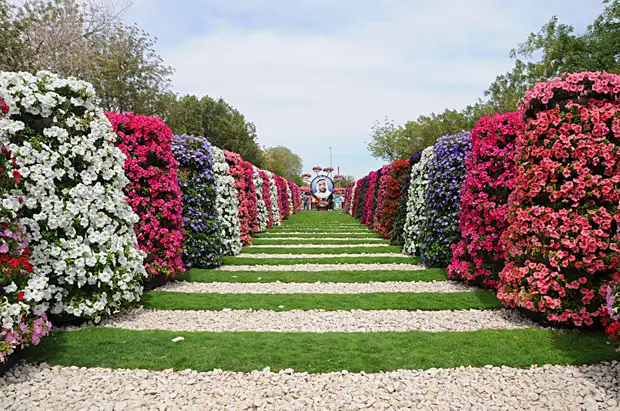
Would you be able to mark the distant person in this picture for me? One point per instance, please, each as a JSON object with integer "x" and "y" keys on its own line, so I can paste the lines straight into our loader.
{"x": 337, "y": 202}
{"x": 305, "y": 200}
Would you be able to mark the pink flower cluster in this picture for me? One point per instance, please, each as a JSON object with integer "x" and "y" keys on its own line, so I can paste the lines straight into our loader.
{"x": 562, "y": 239}
{"x": 153, "y": 191}
{"x": 237, "y": 171}
{"x": 281, "y": 183}
{"x": 393, "y": 178}
{"x": 479, "y": 256}
{"x": 367, "y": 212}
{"x": 296, "y": 196}
{"x": 250, "y": 195}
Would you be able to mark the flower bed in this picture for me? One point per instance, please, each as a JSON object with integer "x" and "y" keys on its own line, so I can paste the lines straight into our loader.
{"x": 261, "y": 206}
{"x": 82, "y": 239}
{"x": 562, "y": 239}
{"x": 266, "y": 196}
{"x": 153, "y": 191}
{"x": 227, "y": 204}
{"x": 479, "y": 256}
{"x": 389, "y": 195}
{"x": 446, "y": 174}
{"x": 202, "y": 246}
{"x": 398, "y": 232}
{"x": 416, "y": 204}
{"x": 22, "y": 317}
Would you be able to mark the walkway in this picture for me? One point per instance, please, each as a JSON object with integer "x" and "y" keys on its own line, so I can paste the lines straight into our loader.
{"x": 339, "y": 315}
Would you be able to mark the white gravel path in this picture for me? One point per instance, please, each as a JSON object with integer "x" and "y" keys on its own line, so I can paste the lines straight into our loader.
{"x": 320, "y": 256}
{"x": 554, "y": 388}
{"x": 318, "y": 320}
{"x": 323, "y": 238}
{"x": 323, "y": 267}
{"x": 302, "y": 246}
{"x": 319, "y": 288}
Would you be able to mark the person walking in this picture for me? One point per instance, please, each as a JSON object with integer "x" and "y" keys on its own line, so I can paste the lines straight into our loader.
{"x": 305, "y": 200}
{"x": 337, "y": 202}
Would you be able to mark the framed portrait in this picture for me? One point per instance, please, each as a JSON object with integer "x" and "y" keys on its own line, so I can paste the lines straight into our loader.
{"x": 322, "y": 187}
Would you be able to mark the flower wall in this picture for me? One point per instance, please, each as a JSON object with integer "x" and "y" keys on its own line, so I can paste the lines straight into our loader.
{"x": 266, "y": 197}
{"x": 261, "y": 207}
{"x": 84, "y": 258}
{"x": 227, "y": 204}
{"x": 390, "y": 189}
{"x": 22, "y": 320}
{"x": 562, "y": 239}
{"x": 416, "y": 203}
{"x": 479, "y": 256}
{"x": 283, "y": 197}
{"x": 153, "y": 191}
{"x": 446, "y": 173}
{"x": 275, "y": 199}
{"x": 369, "y": 197}
{"x": 237, "y": 171}
{"x": 398, "y": 232}
{"x": 203, "y": 245}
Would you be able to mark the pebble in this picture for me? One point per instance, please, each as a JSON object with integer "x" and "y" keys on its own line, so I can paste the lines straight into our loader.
{"x": 319, "y": 288}
{"x": 557, "y": 387}
{"x": 324, "y": 267}
{"x": 317, "y": 256}
{"x": 318, "y": 320}
{"x": 362, "y": 245}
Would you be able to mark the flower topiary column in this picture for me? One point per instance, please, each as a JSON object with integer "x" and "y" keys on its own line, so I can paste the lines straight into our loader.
{"x": 416, "y": 204}
{"x": 203, "y": 245}
{"x": 153, "y": 191}
{"x": 398, "y": 232}
{"x": 227, "y": 204}
{"x": 562, "y": 239}
{"x": 446, "y": 173}
{"x": 479, "y": 256}
{"x": 84, "y": 252}
{"x": 392, "y": 184}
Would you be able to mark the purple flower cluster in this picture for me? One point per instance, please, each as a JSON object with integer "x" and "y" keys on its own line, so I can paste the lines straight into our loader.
{"x": 203, "y": 245}
{"x": 446, "y": 174}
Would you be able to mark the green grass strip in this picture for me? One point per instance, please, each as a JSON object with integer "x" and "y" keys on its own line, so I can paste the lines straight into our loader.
{"x": 263, "y": 241}
{"x": 348, "y": 250}
{"x": 311, "y": 235}
{"x": 165, "y": 300}
{"x": 322, "y": 260}
{"x": 318, "y": 352}
{"x": 213, "y": 276}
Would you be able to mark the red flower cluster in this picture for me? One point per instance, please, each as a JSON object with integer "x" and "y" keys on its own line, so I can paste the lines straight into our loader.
{"x": 153, "y": 191}
{"x": 562, "y": 241}
{"x": 282, "y": 197}
{"x": 479, "y": 256}
{"x": 296, "y": 194}
{"x": 4, "y": 108}
{"x": 372, "y": 181}
{"x": 250, "y": 195}
{"x": 267, "y": 197}
{"x": 393, "y": 178}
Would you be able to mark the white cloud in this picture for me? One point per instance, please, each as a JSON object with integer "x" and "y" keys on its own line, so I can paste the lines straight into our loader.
{"x": 312, "y": 88}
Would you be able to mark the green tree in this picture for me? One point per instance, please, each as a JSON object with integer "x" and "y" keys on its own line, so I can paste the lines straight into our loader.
{"x": 282, "y": 161}
{"x": 184, "y": 115}
{"x": 15, "y": 53}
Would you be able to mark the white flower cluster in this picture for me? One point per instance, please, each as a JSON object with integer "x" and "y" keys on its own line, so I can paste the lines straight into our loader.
{"x": 227, "y": 204}
{"x": 275, "y": 207}
{"x": 290, "y": 199}
{"x": 263, "y": 213}
{"x": 416, "y": 203}
{"x": 83, "y": 243}
{"x": 352, "y": 199}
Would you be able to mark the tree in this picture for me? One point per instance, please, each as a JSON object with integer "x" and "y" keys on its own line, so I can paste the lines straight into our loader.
{"x": 348, "y": 179}
{"x": 184, "y": 115}
{"x": 225, "y": 127}
{"x": 282, "y": 161}
{"x": 15, "y": 54}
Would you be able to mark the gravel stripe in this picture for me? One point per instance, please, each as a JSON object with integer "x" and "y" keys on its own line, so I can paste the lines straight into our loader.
{"x": 323, "y": 267}
{"x": 552, "y": 387}
{"x": 319, "y": 288}
{"x": 322, "y": 238}
{"x": 318, "y": 320}
{"x": 344, "y": 255}
{"x": 362, "y": 245}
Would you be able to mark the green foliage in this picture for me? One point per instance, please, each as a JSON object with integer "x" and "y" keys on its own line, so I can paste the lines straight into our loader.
{"x": 282, "y": 161}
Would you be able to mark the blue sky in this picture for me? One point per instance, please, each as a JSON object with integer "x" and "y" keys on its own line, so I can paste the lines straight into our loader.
{"x": 317, "y": 73}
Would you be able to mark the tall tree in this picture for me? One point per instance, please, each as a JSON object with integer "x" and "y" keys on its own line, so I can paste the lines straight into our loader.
{"x": 282, "y": 161}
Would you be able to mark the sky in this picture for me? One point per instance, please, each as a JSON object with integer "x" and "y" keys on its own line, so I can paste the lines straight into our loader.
{"x": 314, "y": 74}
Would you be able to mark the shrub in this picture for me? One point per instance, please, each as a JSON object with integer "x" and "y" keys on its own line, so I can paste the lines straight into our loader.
{"x": 153, "y": 191}
{"x": 202, "y": 246}
{"x": 446, "y": 174}
{"x": 562, "y": 238}
{"x": 479, "y": 256}
{"x": 82, "y": 239}
{"x": 416, "y": 205}
{"x": 389, "y": 195}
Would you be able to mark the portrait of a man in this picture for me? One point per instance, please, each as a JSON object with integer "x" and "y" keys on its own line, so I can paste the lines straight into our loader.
{"x": 322, "y": 187}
